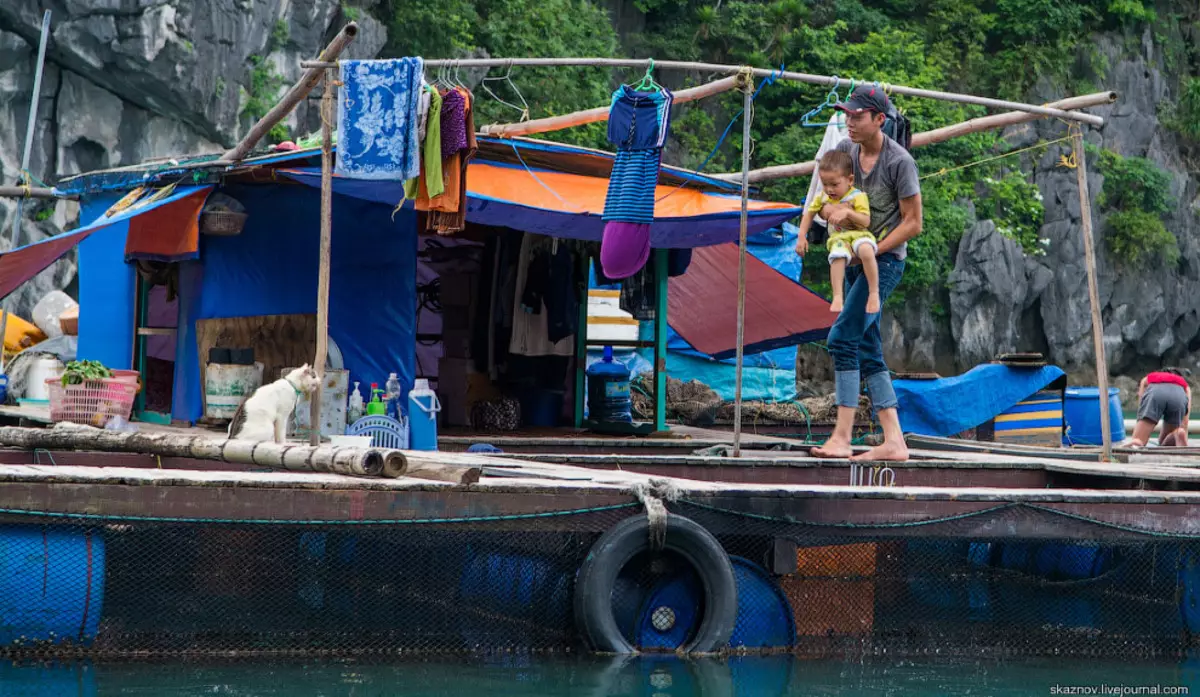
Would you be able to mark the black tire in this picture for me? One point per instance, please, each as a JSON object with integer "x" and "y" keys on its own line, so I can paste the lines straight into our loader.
{"x": 614, "y": 549}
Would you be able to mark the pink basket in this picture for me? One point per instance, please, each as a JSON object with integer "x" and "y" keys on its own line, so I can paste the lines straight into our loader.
{"x": 92, "y": 402}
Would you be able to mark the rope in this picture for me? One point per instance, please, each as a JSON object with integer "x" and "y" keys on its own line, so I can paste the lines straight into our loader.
{"x": 652, "y": 494}
{"x": 1035, "y": 146}
{"x": 538, "y": 179}
{"x": 267, "y": 521}
{"x": 746, "y": 75}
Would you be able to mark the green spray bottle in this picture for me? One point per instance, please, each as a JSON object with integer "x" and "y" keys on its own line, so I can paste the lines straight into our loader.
{"x": 376, "y": 406}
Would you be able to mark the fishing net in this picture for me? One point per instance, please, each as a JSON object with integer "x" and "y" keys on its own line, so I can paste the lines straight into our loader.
{"x": 1008, "y": 580}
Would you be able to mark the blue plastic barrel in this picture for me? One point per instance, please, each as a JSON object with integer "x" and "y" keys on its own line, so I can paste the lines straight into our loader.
{"x": 1081, "y": 408}
{"x": 51, "y": 585}
{"x": 608, "y": 390}
{"x": 47, "y": 679}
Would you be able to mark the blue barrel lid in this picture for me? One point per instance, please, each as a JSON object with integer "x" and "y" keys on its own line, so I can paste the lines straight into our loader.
{"x": 1092, "y": 392}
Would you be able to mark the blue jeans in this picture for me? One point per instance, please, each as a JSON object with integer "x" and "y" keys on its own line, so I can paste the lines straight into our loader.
{"x": 855, "y": 343}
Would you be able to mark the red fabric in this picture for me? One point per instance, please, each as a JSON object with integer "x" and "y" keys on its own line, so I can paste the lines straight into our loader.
{"x": 1167, "y": 378}
{"x": 702, "y": 305}
{"x": 20, "y": 265}
{"x": 168, "y": 233}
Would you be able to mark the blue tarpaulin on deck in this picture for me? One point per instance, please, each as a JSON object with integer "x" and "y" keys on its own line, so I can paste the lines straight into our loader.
{"x": 947, "y": 406}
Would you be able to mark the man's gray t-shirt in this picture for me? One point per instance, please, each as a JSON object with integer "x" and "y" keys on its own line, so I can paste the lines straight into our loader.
{"x": 894, "y": 177}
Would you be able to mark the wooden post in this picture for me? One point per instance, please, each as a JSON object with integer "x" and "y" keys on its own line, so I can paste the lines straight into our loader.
{"x": 580, "y": 118}
{"x": 581, "y": 347}
{"x": 724, "y": 69}
{"x": 30, "y": 192}
{"x": 1089, "y": 257}
{"x": 323, "y": 260}
{"x": 293, "y": 97}
{"x": 747, "y": 103}
{"x": 937, "y": 135}
{"x": 660, "y": 340}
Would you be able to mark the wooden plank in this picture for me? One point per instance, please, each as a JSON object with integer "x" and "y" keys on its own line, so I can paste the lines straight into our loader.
{"x": 279, "y": 341}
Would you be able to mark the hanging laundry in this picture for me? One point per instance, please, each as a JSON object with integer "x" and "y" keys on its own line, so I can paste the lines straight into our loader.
{"x": 530, "y": 332}
{"x": 378, "y": 119}
{"x": 423, "y": 109}
{"x": 429, "y": 183}
{"x": 450, "y": 213}
{"x": 638, "y": 125}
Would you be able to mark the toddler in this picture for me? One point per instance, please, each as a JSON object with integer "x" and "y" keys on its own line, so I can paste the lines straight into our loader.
{"x": 850, "y": 238}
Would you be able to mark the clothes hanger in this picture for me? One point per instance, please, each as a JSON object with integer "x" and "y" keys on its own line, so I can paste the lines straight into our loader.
{"x": 831, "y": 100}
{"x": 507, "y": 77}
{"x": 648, "y": 84}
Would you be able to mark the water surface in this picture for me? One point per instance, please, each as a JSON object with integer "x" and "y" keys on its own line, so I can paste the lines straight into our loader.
{"x": 514, "y": 676}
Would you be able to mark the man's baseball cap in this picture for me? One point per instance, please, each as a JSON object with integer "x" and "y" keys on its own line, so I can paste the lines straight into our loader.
{"x": 866, "y": 97}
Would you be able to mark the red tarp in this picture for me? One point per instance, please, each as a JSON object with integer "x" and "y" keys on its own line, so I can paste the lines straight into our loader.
{"x": 702, "y": 305}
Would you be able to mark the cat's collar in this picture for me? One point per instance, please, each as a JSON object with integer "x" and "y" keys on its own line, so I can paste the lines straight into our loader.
{"x": 297, "y": 389}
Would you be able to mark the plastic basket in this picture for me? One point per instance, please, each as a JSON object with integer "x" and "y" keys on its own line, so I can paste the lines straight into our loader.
{"x": 92, "y": 402}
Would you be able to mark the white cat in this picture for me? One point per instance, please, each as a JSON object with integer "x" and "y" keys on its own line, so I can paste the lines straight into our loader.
{"x": 265, "y": 415}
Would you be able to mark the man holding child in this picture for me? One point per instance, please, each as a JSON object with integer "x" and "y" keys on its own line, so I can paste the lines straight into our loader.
{"x": 887, "y": 174}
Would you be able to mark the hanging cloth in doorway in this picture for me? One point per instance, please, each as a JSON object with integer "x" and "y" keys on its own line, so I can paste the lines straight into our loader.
{"x": 638, "y": 124}
{"x": 379, "y": 120}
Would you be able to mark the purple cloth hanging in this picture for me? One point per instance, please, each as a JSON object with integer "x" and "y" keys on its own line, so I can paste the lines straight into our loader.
{"x": 454, "y": 123}
{"x": 624, "y": 249}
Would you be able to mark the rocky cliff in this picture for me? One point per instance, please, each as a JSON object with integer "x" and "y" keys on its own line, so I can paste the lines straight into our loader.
{"x": 131, "y": 80}
{"x": 1000, "y": 299}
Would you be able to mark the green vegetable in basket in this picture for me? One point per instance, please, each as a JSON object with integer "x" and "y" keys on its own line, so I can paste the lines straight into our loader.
{"x": 78, "y": 372}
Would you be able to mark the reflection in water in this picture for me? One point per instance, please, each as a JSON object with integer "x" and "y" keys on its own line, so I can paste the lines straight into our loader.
{"x": 647, "y": 676}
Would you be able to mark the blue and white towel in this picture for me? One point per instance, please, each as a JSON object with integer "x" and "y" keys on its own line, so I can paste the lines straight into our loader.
{"x": 378, "y": 119}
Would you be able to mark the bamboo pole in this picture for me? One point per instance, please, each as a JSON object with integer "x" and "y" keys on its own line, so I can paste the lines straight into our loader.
{"x": 323, "y": 260}
{"x": 1089, "y": 257}
{"x": 293, "y": 97}
{"x": 937, "y": 135}
{"x": 747, "y": 104}
{"x": 29, "y": 192}
{"x": 368, "y": 462}
{"x": 825, "y": 80}
{"x": 580, "y": 118}
{"x": 31, "y": 125}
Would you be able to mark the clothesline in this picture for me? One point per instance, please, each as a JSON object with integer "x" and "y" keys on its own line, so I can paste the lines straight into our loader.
{"x": 825, "y": 80}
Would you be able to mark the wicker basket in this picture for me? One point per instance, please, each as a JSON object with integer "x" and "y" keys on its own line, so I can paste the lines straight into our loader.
{"x": 92, "y": 402}
{"x": 222, "y": 223}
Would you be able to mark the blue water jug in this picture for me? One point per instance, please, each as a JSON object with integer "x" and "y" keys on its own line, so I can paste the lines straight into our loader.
{"x": 608, "y": 390}
{"x": 423, "y": 408}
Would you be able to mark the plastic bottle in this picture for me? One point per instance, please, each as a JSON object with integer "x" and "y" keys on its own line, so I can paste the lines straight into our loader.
{"x": 392, "y": 396}
{"x": 354, "y": 411}
{"x": 376, "y": 407}
{"x": 423, "y": 408}
{"x": 608, "y": 390}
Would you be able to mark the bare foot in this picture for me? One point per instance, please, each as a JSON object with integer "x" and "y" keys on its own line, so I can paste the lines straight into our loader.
{"x": 873, "y": 303}
{"x": 890, "y": 451}
{"x": 836, "y": 305}
{"x": 834, "y": 449}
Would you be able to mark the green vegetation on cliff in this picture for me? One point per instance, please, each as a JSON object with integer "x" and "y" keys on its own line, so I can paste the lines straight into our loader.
{"x": 995, "y": 47}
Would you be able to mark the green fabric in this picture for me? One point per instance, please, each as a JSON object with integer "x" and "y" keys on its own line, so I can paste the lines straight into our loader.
{"x": 432, "y": 156}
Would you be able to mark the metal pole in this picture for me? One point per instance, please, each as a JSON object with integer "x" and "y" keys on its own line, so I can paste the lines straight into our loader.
{"x": 747, "y": 102}
{"x": 32, "y": 125}
{"x": 1089, "y": 257}
{"x": 824, "y": 80}
{"x": 323, "y": 259}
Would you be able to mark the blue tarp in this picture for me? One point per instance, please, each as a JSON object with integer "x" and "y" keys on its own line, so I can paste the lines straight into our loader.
{"x": 767, "y": 376}
{"x": 106, "y": 283}
{"x": 948, "y": 406}
{"x": 271, "y": 269}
